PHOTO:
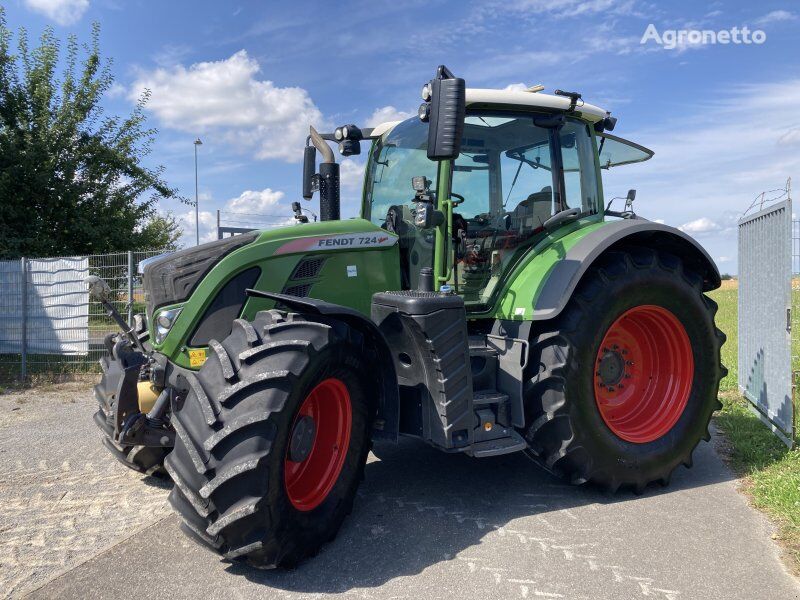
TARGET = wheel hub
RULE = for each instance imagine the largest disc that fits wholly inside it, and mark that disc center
(302, 440)
(611, 368)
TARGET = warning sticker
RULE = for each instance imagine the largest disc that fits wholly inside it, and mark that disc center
(197, 358)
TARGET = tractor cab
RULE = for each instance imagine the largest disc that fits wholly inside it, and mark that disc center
(522, 172)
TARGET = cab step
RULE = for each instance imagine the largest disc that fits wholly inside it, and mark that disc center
(514, 442)
(488, 398)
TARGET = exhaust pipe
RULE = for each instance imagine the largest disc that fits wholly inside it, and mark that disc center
(329, 202)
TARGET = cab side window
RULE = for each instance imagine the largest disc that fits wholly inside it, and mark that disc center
(580, 174)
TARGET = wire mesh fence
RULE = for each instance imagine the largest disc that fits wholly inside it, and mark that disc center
(49, 325)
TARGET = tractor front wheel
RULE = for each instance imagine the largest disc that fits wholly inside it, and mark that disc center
(272, 439)
(625, 380)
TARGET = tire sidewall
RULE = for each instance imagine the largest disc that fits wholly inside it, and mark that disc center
(672, 292)
(341, 361)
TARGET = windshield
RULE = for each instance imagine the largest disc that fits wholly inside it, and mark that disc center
(389, 201)
(395, 159)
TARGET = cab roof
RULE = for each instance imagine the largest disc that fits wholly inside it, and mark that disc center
(480, 98)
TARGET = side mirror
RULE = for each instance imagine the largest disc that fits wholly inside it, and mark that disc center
(445, 108)
(631, 196)
(309, 169)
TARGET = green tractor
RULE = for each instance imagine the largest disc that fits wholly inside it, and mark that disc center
(486, 301)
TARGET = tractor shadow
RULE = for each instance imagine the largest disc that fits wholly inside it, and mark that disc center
(419, 507)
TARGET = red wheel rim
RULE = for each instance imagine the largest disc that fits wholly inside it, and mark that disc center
(309, 481)
(643, 374)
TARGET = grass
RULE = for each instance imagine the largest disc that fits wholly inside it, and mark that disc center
(770, 471)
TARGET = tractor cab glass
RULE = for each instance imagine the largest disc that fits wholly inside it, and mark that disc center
(395, 160)
(506, 188)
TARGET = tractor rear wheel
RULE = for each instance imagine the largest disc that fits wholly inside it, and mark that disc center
(272, 439)
(625, 380)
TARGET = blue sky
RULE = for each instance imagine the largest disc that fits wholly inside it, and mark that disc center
(248, 78)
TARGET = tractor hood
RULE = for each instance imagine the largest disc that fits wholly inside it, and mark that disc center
(172, 277)
(203, 289)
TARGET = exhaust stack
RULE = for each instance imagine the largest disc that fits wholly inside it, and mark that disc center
(329, 205)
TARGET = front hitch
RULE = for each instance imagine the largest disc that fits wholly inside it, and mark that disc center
(149, 429)
(131, 427)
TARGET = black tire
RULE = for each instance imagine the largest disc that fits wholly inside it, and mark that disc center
(233, 430)
(564, 426)
(149, 461)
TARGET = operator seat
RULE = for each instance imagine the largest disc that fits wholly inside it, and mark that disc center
(531, 213)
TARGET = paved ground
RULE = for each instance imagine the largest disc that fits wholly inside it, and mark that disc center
(427, 525)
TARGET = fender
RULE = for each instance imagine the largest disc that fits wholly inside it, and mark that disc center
(387, 422)
(567, 271)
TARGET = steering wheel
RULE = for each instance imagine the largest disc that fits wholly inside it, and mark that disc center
(459, 196)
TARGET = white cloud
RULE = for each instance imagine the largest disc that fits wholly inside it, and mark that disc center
(227, 98)
(386, 114)
(515, 87)
(573, 8)
(117, 90)
(208, 227)
(255, 202)
(700, 226)
(723, 259)
(776, 16)
(351, 174)
(790, 137)
(63, 12)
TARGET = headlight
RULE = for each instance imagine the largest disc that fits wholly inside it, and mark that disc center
(164, 321)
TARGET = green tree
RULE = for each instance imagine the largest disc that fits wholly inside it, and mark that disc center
(72, 179)
(161, 231)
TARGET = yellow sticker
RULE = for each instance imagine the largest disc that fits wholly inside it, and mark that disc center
(197, 358)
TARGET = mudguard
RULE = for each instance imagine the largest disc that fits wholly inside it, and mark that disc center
(387, 422)
(556, 290)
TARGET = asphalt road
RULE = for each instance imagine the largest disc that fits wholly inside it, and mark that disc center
(426, 525)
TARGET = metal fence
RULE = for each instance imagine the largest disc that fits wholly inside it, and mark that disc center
(769, 300)
(48, 323)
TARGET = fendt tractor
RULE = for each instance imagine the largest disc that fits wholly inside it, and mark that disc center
(486, 300)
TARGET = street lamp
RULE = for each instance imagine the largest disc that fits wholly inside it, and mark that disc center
(197, 143)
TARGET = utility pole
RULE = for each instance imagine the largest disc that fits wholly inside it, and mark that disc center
(197, 143)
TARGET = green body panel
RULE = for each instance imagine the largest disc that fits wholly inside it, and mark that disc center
(521, 288)
(376, 270)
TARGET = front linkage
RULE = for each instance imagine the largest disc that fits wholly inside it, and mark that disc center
(133, 397)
